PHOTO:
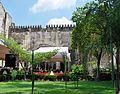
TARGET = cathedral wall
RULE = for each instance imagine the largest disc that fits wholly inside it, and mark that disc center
(50, 36)
(5, 21)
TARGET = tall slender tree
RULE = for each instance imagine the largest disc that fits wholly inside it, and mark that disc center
(91, 29)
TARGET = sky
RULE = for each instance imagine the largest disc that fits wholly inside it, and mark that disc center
(42, 12)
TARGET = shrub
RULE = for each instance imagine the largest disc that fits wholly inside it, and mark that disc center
(50, 77)
(20, 74)
(13, 74)
(105, 74)
(28, 76)
(77, 72)
(1, 77)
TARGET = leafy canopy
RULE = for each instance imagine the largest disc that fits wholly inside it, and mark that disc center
(25, 55)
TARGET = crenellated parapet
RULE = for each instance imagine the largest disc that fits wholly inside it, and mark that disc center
(54, 35)
(38, 28)
(31, 28)
(27, 27)
(64, 27)
(61, 26)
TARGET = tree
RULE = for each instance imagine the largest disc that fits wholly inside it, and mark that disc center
(81, 35)
(25, 55)
(90, 34)
(115, 27)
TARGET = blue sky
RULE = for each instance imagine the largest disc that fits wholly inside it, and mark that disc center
(41, 12)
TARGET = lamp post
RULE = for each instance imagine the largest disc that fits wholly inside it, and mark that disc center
(113, 69)
(32, 64)
(64, 54)
(111, 49)
(32, 71)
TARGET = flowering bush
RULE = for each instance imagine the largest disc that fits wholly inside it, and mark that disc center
(47, 76)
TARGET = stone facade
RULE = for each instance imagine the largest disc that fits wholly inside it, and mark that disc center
(50, 36)
(35, 36)
(5, 21)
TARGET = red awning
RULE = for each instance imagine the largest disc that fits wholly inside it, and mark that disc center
(56, 58)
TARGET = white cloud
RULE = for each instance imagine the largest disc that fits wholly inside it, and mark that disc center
(45, 5)
(59, 21)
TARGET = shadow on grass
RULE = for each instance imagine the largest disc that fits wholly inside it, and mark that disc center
(47, 87)
(12, 93)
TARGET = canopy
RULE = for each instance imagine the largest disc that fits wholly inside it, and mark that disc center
(58, 57)
(3, 50)
(47, 49)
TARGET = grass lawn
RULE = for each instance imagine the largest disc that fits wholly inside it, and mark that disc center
(49, 87)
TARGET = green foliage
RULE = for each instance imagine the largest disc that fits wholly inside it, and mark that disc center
(50, 77)
(21, 72)
(115, 22)
(97, 26)
(40, 57)
(105, 74)
(13, 74)
(77, 69)
(15, 48)
(25, 55)
(91, 26)
(1, 77)
(93, 63)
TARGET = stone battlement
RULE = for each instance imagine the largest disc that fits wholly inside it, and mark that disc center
(15, 28)
(26, 27)
(59, 26)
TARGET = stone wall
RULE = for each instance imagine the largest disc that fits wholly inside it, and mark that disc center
(5, 21)
(50, 36)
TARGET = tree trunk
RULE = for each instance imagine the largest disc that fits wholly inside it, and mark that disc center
(98, 65)
(117, 71)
